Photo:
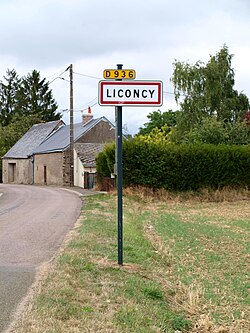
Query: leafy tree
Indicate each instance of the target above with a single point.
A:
(239, 133)
(159, 120)
(212, 131)
(209, 130)
(246, 117)
(158, 135)
(208, 90)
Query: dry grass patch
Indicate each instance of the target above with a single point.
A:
(225, 194)
(207, 244)
(185, 270)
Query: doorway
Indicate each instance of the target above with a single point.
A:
(11, 172)
(45, 174)
(89, 180)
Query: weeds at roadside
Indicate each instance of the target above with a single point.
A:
(225, 194)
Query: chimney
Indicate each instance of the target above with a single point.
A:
(87, 117)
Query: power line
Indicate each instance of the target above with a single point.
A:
(78, 110)
(90, 106)
(167, 92)
(89, 76)
(57, 73)
(98, 78)
(87, 104)
(91, 103)
(59, 77)
(171, 93)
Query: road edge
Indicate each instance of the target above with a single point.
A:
(42, 272)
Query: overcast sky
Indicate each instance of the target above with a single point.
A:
(145, 35)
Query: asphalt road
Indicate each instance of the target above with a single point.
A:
(33, 223)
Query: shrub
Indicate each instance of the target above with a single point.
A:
(105, 161)
(179, 167)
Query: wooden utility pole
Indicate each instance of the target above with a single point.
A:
(71, 158)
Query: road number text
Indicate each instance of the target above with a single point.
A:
(128, 74)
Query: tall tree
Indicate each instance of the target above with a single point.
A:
(27, 96)
(23, 103)
(209, 90)
(35, 98)
(159, 119)
(8, 96)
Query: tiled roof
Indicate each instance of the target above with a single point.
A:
(32, 139)
(60, 140)
(87, 152)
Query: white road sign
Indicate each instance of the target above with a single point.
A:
(134, 93)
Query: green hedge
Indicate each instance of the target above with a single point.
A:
(105, 162)
(179, 167)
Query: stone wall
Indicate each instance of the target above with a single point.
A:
(101, 133)
(48, 169)
(66, 167)
(17, 171)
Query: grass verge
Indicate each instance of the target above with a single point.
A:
(185, 270)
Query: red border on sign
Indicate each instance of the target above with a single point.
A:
(129, 83)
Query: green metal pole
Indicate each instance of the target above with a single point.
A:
(119, 182)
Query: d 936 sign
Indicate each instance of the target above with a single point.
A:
(119, 74)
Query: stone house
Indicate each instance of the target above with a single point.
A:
(49, 159)
(17, 163)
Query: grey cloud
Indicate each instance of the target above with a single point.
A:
(52, 32)
(146, 35)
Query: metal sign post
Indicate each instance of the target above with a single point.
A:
(120, 92)
(119, 185)
(119, 180)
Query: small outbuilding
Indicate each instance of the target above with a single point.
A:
(84, 163)
(17, 163)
